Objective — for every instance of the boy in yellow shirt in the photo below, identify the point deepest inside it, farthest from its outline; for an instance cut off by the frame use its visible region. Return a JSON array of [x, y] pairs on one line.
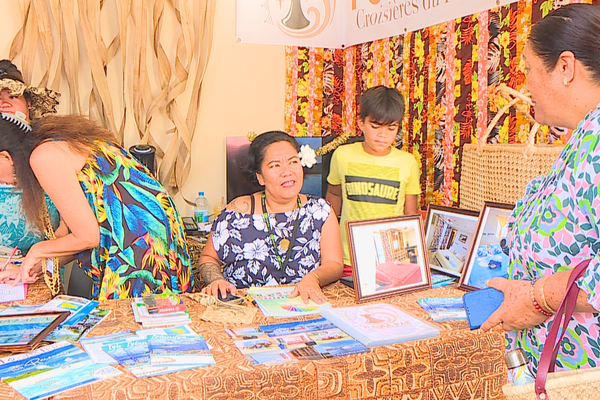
[[373, 179]]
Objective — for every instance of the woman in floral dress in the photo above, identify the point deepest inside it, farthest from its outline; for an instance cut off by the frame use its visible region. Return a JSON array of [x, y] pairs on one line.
[[274, 237], [556, 225], [124, 229]]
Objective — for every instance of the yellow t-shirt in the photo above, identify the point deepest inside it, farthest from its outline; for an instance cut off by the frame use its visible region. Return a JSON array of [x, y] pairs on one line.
[[372, 186]]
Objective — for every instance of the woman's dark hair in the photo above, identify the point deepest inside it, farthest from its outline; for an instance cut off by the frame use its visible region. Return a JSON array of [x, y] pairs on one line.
[[383, 105], [574, 28], [258, 148], [79, 132]]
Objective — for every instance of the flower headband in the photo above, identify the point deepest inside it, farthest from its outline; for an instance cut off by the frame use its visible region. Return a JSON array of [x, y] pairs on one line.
[[18, 118]]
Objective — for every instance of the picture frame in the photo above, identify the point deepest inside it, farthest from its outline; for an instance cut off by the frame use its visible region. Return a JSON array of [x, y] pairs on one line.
[[449, 233], [24, 332], [488, 256], [388, 256]]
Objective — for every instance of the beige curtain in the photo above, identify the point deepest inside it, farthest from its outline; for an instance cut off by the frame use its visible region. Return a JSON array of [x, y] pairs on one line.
[[85, 46]]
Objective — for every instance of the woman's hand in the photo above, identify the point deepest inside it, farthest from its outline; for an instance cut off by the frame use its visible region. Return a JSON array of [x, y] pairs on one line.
[[30, 269], [219, 285], [10, 273], [308, 288], [517, 310]]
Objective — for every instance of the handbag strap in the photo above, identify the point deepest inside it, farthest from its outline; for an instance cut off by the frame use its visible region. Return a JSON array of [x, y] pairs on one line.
[[562, 319]]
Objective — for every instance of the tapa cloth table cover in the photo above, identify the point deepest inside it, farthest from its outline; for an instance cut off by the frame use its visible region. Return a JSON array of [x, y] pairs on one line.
[[459, 364]]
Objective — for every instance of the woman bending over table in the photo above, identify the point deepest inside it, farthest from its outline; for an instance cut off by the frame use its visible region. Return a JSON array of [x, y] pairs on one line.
[[124, 229], [274, 237], [556, 225]]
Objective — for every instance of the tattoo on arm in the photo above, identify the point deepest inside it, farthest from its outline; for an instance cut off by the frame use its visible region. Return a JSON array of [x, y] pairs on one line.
[[241, 205], [210, 271]]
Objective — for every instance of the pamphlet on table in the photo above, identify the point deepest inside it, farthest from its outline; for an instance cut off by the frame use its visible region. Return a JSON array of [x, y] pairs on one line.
[[380, 324], [275, 301], [10, 293], [302, 340], [51, 370], [444, 308], [169, 316]]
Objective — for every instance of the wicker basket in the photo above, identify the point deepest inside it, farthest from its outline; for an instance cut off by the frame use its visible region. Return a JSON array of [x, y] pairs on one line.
[[579, 384], [500, 172]]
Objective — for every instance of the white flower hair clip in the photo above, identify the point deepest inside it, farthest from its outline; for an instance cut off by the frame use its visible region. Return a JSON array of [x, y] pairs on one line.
[[307, 155]]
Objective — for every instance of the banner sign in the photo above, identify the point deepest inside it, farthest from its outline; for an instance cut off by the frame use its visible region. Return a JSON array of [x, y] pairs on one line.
[[341, 23]]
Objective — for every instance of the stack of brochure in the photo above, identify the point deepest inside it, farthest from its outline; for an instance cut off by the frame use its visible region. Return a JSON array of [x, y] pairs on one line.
[[83, 316], [152, 352], [51, 370], [304, 340], [176, 316], [274, 301]]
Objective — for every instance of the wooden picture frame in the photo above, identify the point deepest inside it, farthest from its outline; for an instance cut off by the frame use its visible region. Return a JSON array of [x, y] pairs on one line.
[[388, 256], [449, 233], [488, 256], [24, 332]]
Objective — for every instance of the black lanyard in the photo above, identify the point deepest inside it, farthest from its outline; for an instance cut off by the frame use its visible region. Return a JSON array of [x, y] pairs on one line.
[[282, 264]]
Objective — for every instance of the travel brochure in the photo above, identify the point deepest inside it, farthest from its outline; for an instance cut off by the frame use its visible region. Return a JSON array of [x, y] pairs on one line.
[[176, 315], [287, 342], [274, 301], [51, 370], [380, 324], [152, 352], [444, 308]]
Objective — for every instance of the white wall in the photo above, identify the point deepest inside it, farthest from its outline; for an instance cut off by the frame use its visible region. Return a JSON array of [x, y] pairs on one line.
[[244, 90]]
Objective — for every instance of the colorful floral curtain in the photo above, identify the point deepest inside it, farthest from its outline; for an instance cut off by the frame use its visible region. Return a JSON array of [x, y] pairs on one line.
[[448, 75]]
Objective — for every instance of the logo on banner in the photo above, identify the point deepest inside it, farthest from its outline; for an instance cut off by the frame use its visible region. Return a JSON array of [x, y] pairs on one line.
[[301, 19]]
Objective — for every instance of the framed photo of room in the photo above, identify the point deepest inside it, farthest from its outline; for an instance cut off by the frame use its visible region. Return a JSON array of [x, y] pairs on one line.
[[388, 256], [448, 238], [488, 255]]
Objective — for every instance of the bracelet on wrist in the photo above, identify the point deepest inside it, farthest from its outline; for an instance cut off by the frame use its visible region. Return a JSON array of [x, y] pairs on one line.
[[536, 305], [545, 304], [318, 278]]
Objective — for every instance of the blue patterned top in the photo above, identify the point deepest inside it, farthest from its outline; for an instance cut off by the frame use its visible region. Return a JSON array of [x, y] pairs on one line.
[[14, 229], [554, 227], [243, 244]]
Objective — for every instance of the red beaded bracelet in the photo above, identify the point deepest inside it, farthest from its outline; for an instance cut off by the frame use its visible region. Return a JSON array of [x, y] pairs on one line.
[[537, 306]]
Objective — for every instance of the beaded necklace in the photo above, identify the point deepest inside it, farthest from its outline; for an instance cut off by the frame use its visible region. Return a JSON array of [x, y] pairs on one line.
[[285, 244]]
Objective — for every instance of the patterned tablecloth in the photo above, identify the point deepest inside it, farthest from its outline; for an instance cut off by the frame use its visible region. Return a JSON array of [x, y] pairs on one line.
[[459, 364]]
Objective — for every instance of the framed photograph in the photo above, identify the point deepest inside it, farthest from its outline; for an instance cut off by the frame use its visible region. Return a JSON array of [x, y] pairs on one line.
[[449, 233], [23, 332], [488, 255], [388, 256]]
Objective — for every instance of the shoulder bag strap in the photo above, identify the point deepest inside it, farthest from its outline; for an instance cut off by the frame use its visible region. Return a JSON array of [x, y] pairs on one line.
[[561, 319]]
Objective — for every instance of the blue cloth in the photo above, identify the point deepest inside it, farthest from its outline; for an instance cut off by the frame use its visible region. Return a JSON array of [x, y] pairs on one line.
[[14, 229], [243, 244]]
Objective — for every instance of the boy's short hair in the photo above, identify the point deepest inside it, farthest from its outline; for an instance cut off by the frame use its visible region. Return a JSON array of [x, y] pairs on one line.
[[383, 105]]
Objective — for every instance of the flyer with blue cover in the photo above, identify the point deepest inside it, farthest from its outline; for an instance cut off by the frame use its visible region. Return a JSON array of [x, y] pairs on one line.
[[51, 370]]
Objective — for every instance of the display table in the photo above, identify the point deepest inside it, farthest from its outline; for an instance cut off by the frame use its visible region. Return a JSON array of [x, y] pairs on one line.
[[459, 364]]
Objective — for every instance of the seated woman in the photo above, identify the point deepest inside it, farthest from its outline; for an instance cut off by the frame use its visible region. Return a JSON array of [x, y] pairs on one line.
[[27, 102], [124, 229], [274, 237]]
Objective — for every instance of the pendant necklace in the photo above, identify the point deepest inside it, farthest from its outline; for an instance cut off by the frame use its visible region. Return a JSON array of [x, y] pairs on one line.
[[284, 243]]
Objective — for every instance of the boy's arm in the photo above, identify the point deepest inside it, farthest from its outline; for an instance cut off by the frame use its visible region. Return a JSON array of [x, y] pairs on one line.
[[334, 197], [411, 204]]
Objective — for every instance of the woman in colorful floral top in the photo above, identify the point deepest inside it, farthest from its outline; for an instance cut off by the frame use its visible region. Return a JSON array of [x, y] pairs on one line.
[[123, 228], [274, 237], [556, 225]]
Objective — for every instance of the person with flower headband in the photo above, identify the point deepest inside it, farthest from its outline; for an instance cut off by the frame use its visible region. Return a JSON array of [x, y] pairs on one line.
[[124, 230], [276, 236], [27, 103]]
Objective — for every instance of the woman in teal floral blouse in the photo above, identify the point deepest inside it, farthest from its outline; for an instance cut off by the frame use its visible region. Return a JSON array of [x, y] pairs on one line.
[[556, 225]]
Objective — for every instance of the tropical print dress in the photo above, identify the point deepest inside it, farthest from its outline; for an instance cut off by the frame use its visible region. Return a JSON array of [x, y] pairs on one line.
[[14, 228], [243, 244], [554, 227], [142, 243]]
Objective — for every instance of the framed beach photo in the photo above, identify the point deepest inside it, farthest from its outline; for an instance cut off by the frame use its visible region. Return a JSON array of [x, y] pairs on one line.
[[23, 332], [449, 234], [488, 255], [388, 256]]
